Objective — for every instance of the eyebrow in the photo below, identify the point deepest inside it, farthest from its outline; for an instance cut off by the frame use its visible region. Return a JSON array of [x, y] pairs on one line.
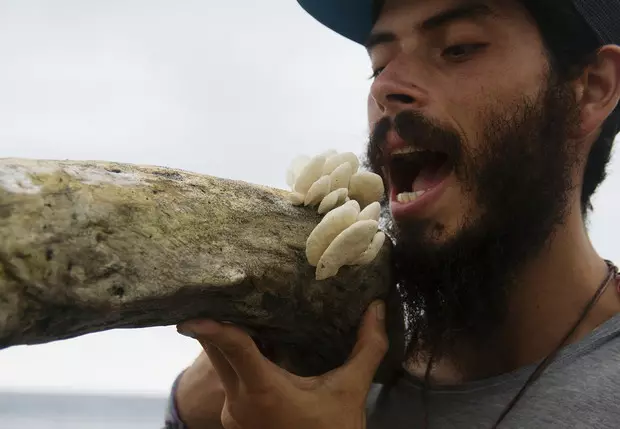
[[468, 11]]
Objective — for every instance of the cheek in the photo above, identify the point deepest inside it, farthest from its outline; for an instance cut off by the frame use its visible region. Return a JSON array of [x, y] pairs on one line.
[[476, 95], [472, 108]]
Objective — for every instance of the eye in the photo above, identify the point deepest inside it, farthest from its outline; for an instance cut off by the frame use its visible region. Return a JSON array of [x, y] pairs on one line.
[[460, 52]]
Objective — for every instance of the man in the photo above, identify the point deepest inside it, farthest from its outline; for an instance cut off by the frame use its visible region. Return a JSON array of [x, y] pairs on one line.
[[492, 124]]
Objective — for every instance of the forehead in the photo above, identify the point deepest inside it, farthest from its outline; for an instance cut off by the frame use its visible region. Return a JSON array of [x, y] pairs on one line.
[[409, 15]]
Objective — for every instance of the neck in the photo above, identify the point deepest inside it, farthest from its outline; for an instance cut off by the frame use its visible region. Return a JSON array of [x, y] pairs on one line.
[[547, 301], [554, 289]]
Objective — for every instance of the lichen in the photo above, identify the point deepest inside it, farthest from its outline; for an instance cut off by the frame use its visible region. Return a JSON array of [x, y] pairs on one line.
[[28, 176], [98, 176], [17, 180]]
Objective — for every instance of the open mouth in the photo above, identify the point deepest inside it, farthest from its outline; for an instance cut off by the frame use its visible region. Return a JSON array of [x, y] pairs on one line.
[[415, 172]]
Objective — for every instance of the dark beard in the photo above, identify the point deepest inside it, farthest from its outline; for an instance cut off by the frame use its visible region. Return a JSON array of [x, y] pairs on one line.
[[456, 290]]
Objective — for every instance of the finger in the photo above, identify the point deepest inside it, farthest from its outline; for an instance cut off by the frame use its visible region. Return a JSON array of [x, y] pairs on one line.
[[238, 348], [227, 374], [369, 350]]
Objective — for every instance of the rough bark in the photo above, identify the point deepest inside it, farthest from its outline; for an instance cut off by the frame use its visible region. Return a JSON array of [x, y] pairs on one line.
[[93, 246]]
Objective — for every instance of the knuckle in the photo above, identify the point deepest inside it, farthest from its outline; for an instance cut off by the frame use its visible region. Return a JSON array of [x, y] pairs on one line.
[[344, 393]]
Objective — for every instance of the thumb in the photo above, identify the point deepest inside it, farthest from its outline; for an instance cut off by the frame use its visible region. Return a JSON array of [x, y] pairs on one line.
[[372, 345]]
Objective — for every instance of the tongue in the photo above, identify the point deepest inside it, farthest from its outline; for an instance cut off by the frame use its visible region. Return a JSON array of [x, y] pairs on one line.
[[429, 177]]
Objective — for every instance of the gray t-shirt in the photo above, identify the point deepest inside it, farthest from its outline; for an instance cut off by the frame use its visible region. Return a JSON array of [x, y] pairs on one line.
[[581, 389]]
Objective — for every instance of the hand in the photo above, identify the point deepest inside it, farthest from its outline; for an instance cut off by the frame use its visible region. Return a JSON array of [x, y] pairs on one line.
[[200, 395], [261, 395]]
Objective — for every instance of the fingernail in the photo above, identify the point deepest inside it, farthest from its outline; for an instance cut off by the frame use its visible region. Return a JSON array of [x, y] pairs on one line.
[[183, 330], [380, 311], [206, 327], [198, 328]]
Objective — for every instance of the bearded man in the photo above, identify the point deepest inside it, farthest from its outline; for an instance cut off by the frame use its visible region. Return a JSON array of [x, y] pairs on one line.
[[492, 123]]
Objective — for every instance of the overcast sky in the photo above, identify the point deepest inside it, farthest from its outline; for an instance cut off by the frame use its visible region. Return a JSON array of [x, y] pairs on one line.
[[233, 89]]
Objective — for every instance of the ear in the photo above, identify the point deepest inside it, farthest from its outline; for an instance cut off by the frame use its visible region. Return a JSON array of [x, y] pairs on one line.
[[598, 90]]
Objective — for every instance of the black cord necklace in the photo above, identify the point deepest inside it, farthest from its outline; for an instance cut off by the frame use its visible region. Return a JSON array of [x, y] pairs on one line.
[[612, 274]]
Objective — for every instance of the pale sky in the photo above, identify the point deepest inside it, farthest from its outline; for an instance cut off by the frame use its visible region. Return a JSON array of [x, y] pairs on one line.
[[211, 87]]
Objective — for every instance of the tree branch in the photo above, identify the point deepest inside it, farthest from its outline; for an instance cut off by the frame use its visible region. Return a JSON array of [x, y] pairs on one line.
[[93, 246]]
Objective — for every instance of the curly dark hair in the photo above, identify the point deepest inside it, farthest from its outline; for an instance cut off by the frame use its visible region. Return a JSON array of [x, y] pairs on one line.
[[571, 46]]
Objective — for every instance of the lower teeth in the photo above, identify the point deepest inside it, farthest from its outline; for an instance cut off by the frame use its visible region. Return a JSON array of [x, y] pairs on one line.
[[407, 197]]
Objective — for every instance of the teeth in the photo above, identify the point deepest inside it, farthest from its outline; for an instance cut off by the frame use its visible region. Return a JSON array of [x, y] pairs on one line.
[[407, 197], [405, 150]]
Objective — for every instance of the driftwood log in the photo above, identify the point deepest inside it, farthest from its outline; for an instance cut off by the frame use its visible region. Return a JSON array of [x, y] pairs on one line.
[[93, 246]]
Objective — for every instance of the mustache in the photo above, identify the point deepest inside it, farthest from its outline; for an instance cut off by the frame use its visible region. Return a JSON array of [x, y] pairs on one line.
[[417, 131]]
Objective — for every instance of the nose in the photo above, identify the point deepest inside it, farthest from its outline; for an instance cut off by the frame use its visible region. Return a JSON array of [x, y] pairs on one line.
[[394, 91]]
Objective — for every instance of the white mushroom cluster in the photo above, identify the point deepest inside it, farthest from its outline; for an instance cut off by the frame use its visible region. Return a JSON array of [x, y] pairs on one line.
[[349, 232]]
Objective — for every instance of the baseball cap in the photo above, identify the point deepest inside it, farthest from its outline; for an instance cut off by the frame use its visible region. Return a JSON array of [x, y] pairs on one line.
[[353, 19]]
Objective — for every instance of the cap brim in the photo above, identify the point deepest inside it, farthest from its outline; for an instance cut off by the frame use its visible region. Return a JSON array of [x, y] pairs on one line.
[[349, 18]]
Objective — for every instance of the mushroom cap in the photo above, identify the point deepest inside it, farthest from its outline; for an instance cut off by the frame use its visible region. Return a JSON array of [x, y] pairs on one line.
[[295, 167], [336, 160], [366, 187], [334, 199], [328, 229], [309, 174], [372, 251], [371, 211], [318, 191], [296, 198], [341, 176], [348, 246]]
